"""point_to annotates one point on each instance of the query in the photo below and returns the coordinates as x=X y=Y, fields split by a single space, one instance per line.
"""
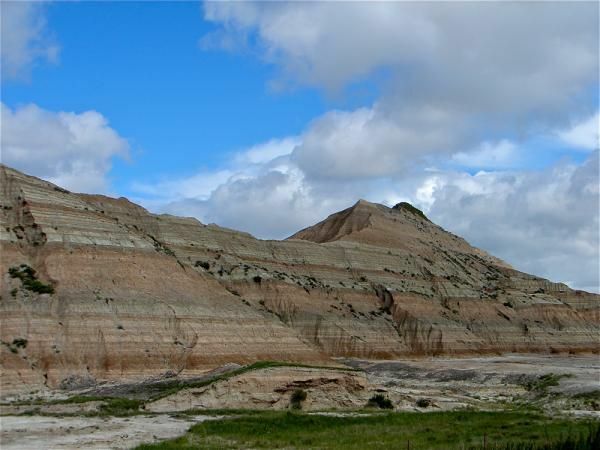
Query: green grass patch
x=438 y=430
x=120 y=407
x=590 y=399
x=590 y=395
x=109 y=407
x=79 y=399
x=543 y=382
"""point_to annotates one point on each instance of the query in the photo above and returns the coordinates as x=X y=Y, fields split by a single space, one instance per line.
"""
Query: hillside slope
x=95 y=288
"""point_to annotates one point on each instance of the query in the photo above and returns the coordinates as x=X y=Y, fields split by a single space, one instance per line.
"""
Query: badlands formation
x=95 y=288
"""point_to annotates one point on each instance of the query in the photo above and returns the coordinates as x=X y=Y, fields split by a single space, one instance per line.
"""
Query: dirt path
x=41 y=433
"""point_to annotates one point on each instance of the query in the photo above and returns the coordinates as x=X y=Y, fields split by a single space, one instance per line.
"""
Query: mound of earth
x=95 y=289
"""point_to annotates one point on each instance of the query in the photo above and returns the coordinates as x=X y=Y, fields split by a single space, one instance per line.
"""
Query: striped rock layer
x=138 y=294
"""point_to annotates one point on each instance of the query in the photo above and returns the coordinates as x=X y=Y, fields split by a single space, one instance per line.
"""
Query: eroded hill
x=97 y=288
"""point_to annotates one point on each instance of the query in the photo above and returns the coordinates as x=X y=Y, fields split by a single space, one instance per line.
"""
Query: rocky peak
x=372 y=223
x=405 y=206
x=340 y=224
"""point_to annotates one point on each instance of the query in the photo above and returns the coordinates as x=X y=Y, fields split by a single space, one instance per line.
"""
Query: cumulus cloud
x=25 y=38
x=543 y=222
x=245 y=164
x=584 y=135
x=489 y=155
x=487 y=47
x=466 y=86
x=312 y=41
x=198 y=186
x=267 y=205
x=261 y=191
x=456 y=71
x=267 y=152
x=66 y=148
x=366 y=143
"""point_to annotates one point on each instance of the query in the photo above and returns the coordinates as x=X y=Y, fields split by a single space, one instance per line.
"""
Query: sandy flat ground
x=40 y=432
x=583 y=370
x=479 y=382
x=449 y=382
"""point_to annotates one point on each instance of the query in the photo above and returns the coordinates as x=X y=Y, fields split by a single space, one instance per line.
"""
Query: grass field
x=443 y=430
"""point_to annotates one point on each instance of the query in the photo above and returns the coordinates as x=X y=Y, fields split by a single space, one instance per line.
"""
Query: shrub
x=379 y=401
x=19 y=342
x=411 y=209
x=423 y=403
x=205 y=265
x=298 y=396
x=28 y=277
x=543 y=382
x=38 y=286
x=257 y=279
x=120 y=407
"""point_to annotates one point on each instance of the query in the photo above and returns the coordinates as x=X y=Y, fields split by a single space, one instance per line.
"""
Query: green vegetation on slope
x=28 y=277
x=142 y=392
x=411 y=209
x=439 y=430
x=177 y=385
x=543 y=382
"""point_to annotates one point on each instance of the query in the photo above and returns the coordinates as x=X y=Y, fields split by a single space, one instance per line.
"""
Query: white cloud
x=544 y=222
x=457 y=72
x=584 y=135
x=441 y=46
x=246 y=164
x=497 y=155
x=66 y=148
x=25 y=38
x=266 y=152
x=198 y=186
x=261 y=191
x=323 y=44
x=366 y=142
x=267 y=205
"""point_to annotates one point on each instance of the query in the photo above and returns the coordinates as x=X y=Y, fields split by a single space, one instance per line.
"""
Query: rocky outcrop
x=130 y=294
x=273 y=388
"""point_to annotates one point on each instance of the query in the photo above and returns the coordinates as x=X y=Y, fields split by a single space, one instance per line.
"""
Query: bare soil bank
x=486 y=383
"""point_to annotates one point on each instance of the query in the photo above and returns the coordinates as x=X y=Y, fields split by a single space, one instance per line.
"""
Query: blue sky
x=160 y=90
x=267 y=117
